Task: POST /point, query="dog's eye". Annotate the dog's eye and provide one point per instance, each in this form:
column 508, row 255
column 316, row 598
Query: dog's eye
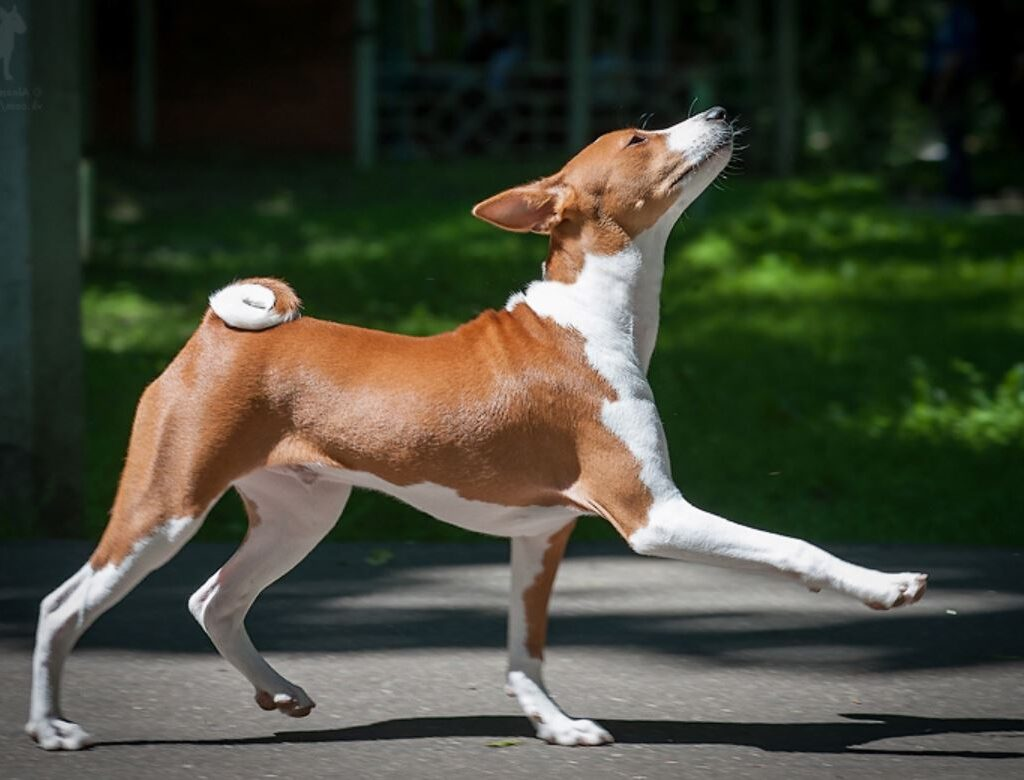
column 637, row 139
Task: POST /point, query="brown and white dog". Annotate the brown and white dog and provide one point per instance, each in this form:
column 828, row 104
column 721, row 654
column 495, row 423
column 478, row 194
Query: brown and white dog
column 513, row 425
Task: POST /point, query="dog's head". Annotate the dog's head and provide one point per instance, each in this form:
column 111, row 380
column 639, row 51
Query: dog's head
column 621, row 185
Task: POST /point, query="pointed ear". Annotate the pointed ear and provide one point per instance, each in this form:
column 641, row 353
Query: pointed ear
column 531, row 208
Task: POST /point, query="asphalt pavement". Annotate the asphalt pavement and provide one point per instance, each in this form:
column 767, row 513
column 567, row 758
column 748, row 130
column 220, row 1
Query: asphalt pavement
column 697, row 672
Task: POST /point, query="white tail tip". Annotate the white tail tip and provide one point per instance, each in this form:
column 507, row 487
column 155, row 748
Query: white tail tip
column 251, row 306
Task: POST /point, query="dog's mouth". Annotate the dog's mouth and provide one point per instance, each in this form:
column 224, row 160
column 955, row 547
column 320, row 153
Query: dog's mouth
column 720, row 149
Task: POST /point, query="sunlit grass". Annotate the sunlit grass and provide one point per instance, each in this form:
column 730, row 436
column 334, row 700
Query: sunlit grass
column 971, row 411
column 830, row 364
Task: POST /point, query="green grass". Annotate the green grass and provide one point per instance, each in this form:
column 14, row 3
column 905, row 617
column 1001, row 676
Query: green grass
column 830, row 364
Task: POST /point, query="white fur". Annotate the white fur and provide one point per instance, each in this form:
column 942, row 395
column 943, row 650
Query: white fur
column 525, row 681
column 71, row 609
column 293, row 515
column 551, row 723
column 248, row 307
column 618, row 298
column 677, row 529
column 613, row 304
column 446, row 504
column 698, row 139
column 527, row 562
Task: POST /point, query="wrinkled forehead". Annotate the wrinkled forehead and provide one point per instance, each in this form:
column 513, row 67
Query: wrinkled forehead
column 595, row 161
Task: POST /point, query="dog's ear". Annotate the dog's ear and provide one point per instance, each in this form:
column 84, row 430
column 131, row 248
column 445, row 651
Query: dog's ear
column 531, row 208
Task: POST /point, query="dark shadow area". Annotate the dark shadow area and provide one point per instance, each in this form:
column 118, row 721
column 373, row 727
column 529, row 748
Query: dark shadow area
column 318, row 608
column 823, row 738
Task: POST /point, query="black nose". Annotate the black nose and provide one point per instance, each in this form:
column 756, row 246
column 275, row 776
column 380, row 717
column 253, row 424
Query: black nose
column 715, row 114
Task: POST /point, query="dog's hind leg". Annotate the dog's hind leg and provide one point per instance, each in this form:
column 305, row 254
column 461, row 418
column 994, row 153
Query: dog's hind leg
column 535, row 561
column 289, row 513
column 163, row 496
column 70, row 609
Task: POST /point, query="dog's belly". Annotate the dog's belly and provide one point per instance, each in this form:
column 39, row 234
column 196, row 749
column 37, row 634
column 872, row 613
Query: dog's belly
column 446, row 504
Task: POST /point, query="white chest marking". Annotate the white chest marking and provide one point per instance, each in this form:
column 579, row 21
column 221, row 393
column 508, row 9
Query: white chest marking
column 613, row 304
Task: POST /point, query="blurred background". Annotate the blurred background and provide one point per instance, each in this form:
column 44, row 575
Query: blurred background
column 842, row 345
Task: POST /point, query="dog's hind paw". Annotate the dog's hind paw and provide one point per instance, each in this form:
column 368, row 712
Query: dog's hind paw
column 573, row 732
column 294, row 702
column 57, row 734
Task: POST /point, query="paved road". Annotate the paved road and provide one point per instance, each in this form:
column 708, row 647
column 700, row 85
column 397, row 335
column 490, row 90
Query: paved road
column 698, row 672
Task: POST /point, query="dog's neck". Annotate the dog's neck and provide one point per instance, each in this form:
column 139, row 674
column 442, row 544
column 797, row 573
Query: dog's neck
column 647, row 290
column 613, row 298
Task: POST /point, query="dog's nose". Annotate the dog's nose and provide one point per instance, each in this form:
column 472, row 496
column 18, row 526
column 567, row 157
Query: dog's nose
column 715, row 114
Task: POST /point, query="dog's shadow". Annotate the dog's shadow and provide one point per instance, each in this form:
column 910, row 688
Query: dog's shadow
column 847, row 736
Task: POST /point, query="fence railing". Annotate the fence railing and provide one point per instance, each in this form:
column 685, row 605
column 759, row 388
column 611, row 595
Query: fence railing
column 449, row 109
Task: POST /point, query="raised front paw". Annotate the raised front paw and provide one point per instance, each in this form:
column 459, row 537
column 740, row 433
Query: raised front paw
column 897, row 590
column 572, row 732
column 293, row 702
column 57, row 734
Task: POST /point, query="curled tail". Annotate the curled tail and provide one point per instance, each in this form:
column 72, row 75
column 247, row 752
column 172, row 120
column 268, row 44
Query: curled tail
column 256, row 304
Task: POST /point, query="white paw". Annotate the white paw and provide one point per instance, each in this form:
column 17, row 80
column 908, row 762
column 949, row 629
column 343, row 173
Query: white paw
column 897, row 590
column 565, row 731
column 293, row 702
column 57, row 734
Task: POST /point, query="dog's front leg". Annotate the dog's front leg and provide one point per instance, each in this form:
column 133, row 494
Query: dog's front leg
column 535, row 562
column 675, row 528
column 633, row 489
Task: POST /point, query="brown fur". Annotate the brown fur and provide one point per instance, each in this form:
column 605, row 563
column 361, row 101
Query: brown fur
column 286, row 302
column 589, row 205
column 536, row 597
column 505, row 409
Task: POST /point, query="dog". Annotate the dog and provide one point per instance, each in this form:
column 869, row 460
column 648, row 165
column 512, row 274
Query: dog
column 513, row 424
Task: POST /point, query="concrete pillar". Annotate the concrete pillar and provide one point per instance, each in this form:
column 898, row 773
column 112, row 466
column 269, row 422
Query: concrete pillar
column 41, row 414
column 366, row 83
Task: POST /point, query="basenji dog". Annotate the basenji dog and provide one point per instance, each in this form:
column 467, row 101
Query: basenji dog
column 513, row 424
